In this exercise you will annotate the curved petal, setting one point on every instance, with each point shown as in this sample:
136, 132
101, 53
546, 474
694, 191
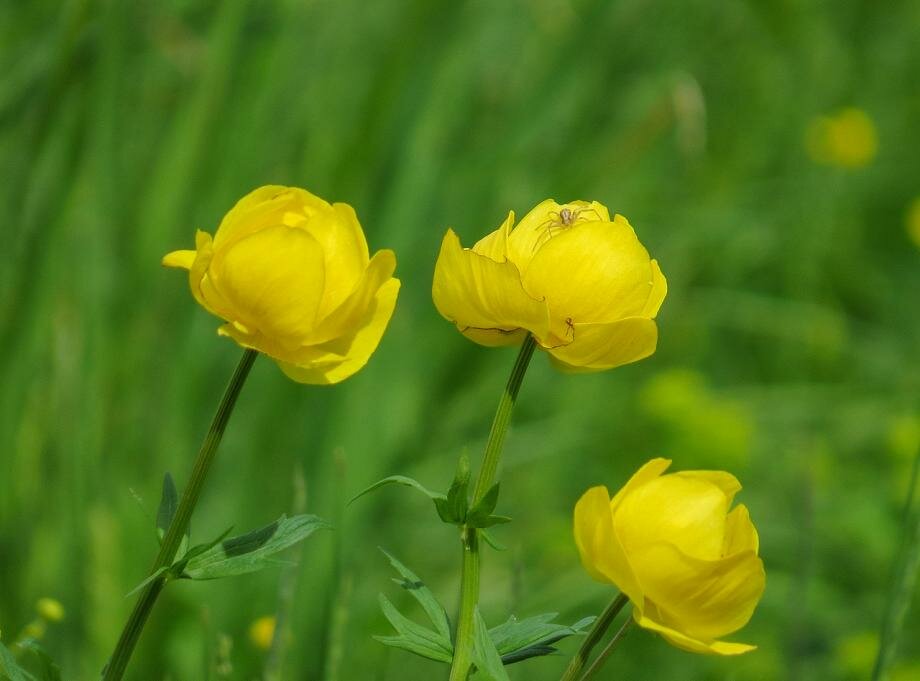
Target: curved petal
649, 471
273, 281
474, 291
689, 644
592, 272
601, 553
352, 310
687, 511
199, 279
740, 533
183, 259
264, 207
495, 338
495, 245
703, 599
725, 481
339, 234
335, 361
596, 347
547, 220
657, 294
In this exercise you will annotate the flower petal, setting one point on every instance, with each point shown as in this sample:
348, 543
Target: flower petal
183, 259
740, 533
601, 553
725, 481
476, 292
544, 222
273, 281
689, 644
596, 347
657, 294
335, 361
703, 599
649, 471
495, 244
345, 249
264, 207
592, 272
348, 314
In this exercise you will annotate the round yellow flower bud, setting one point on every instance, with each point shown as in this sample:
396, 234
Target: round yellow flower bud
262, 631
50, 609
579, 282
292, 277
845, 139
670, 543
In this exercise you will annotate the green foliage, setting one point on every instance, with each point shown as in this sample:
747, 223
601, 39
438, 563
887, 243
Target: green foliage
10, 668
45, 668
488, 662
518, 640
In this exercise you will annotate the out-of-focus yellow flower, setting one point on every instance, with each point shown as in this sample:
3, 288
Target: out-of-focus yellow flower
912, 222
262, 631
846, 139
670, 543
50, 609
292, 277
579, 282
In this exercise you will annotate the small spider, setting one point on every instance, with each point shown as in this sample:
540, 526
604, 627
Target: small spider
562, 220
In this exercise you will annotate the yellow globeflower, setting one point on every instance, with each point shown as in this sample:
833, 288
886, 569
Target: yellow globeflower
292, 277
846, 139
670, 543
579, 282
262, 631
50, 609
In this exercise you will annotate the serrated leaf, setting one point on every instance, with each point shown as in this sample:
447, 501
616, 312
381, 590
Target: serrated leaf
169, 503
415, 586
47, 668
414, 637
400, 480
488, 662
518, 640
252, 551
10, 669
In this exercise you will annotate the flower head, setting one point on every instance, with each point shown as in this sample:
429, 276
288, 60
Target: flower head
579, 282
292, 277
262, 631
846, 139
50, 609
670, 543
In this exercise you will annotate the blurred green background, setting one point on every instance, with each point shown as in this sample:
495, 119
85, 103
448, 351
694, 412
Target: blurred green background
789, 342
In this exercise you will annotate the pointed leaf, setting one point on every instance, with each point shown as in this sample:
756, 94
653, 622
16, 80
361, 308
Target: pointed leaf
484, 507
414, 637
252, 551
411, 583
10, 669
169, 503
147, 581
488, 662
458, 494
518, 640
492, 541
399, 480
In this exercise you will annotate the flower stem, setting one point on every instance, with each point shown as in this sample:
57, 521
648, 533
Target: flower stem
171, 541
601, 624
469, 585
605, 653
906, 570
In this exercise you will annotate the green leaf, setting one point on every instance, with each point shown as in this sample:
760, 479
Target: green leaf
252, 551
411, 583
492, 541
485, 655
47, 668
484, 507
414, 637
400, 480
169, 503
458, 495
518, 640
146, 581
10, 669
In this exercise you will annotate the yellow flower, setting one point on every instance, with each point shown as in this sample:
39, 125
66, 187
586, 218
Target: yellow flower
292, 277
262, 631
579, 282
846, 139
913, 222
689, 566
50, 609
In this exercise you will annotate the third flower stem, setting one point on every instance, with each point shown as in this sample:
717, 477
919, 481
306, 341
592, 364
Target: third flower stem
601, 624
469, 586
115, 669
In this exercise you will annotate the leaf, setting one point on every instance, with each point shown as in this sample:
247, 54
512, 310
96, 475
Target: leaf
169, 503
400, 480
252, 551
10, 669
485, 655
47, 668
414, 637
411, 583
146, 581
458, 494
492, 541
518, 640
484, 507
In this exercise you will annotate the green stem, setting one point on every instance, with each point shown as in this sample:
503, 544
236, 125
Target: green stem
469, 584
601, 624
605, 653
115, 669
906, 569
